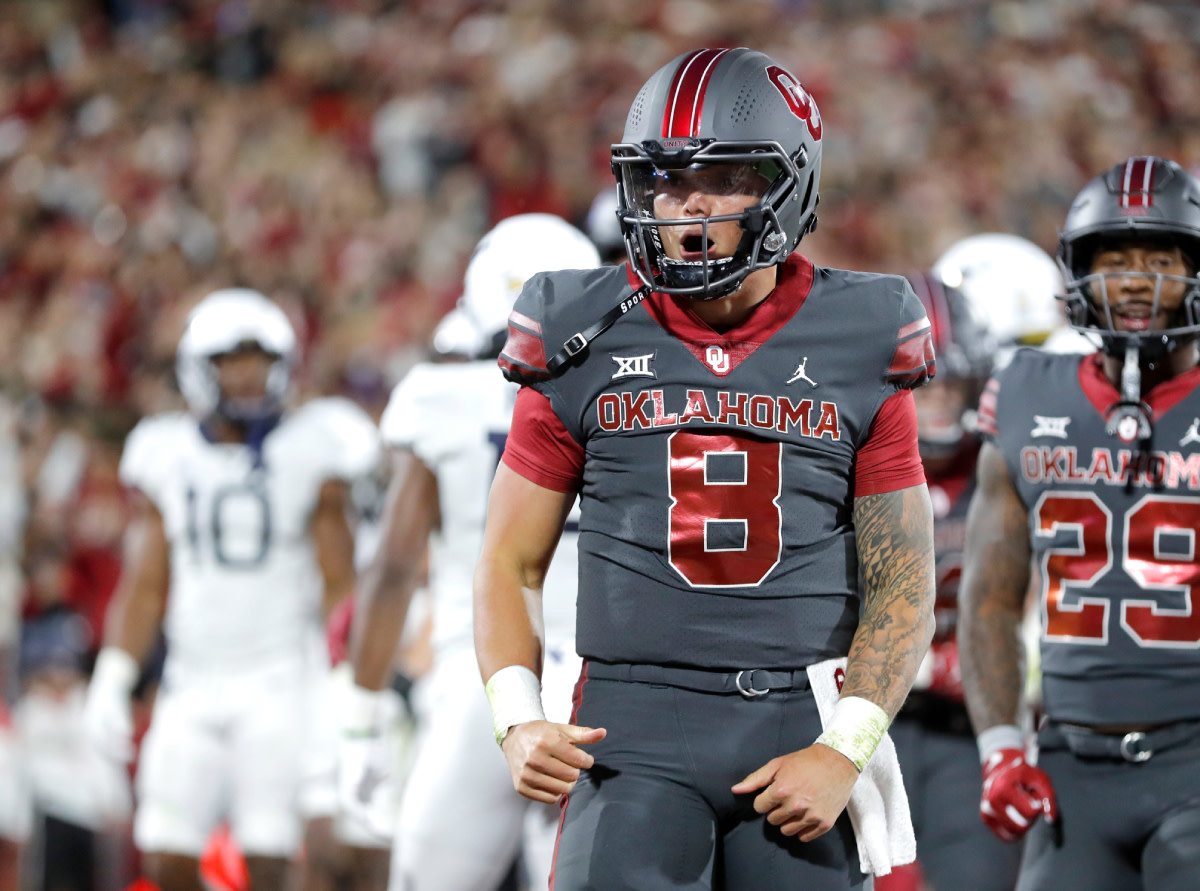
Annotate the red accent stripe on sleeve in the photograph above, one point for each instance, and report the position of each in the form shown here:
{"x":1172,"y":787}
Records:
{"x":985,"y":419}
{"x":523,"y":321}
{"x":912,"y":328}
{"x":681,"y":117}
{"x":523,"y":351}
{"x":914,"y":359}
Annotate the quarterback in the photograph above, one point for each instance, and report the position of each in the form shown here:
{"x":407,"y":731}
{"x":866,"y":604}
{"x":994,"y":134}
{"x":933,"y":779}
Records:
{"x":738,"y":425}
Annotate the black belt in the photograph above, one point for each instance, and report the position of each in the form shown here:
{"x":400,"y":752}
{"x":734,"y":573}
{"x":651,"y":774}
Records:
{"x":750,"y":682}
{"x":1135,"y":746}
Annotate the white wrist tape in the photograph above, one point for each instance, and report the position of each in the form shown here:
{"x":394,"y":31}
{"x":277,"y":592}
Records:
{"x":1002,"y":736}
{"x":116,"y":670}
{"x":360,"y":708}
{"x":515,"y":694}
{"x":855,"y":729}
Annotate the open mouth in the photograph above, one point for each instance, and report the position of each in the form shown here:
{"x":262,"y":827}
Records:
{"x":695,"y":247}
{"x":1134,"y":319}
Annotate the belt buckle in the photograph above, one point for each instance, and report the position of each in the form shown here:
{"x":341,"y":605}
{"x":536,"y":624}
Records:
{"x":1131,"y":747}
{"x":749,"y":690}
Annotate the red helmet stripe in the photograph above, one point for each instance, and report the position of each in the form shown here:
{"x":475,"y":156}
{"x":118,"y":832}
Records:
{"x":1136,"y":183}
{"x":682,"y":115}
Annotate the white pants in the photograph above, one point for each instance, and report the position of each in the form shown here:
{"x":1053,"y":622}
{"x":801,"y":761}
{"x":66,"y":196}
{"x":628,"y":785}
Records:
{"x":225,"y":748}
{"x":16,"y":805}
{"x":461,"y":821}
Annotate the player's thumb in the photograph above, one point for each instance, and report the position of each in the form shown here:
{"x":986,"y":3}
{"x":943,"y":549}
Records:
{"x":756,"y":780}
{"x":1043,"y":790}
{"x":1050,"y":804}
{"x":583,"y":735}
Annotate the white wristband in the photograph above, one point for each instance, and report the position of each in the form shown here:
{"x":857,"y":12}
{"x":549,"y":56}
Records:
{"x":855,"y":729}
{"x":1002,"y":736}
{"x":116,"y":669}
{"x":359,"y":710}
{"x":515,"y":694}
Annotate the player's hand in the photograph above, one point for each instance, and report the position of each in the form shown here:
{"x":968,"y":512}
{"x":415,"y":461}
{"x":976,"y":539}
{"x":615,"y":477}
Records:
{"x":803,"y":793}
{"x":1015,"y":793}
{"x":108,"y":710}
{"x":545,"y":759}
{"x":368,"y":770}
{"x":368,"y":785}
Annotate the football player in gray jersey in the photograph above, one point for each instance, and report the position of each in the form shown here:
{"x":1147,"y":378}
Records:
{"x":753,"y":511}
{"x":1092,"y":476}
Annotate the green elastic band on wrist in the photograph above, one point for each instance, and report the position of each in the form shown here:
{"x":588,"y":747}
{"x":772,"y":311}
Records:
{"x":514,"y":693}
{"x":855,"y":729}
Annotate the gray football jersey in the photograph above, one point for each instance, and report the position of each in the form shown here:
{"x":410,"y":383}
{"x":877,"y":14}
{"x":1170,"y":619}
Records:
{"x":1113,"y":537}
{"x":716,"y":506}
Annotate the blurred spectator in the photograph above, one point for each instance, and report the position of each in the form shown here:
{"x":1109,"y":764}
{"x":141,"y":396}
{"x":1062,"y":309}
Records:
{"x":76,"y":794}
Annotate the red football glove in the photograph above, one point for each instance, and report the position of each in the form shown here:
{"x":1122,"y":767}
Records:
{"x":337,"y":630}
{"x":946,"y":679}
{"x":1015,"y":793}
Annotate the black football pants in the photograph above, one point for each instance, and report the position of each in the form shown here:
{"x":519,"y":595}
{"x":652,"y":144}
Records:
{"x":1122,"y":826}
{"x":656,"y":811}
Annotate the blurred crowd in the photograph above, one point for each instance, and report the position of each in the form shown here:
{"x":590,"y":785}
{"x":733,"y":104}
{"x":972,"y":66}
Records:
{"x":343,"y":157}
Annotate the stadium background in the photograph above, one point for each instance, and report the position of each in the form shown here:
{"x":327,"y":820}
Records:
{"x":344,"y":156}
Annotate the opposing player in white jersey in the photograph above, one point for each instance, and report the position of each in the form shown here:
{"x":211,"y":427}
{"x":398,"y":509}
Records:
{"x":461,"y":821}
{"x":1014,"y":287}
{"x":239,"y":541}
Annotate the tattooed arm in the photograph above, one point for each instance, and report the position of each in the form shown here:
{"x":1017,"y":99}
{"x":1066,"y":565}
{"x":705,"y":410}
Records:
{"x":992,"y":595}
{"x":895,"y":557}
{"x":804,"y":792}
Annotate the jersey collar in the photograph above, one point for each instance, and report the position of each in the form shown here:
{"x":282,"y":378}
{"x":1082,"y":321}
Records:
{"x":677,"y":318}
{"x":1103,"y":395}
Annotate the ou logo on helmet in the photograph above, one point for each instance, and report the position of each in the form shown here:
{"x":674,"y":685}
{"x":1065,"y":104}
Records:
{"x":797,"y":98}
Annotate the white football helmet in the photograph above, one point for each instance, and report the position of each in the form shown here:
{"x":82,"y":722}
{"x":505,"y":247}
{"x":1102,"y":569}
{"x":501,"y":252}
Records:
{"x":510,"y":254}
{"x":604,"y":227}
{"x":1012,"y":284}
{"x":223,"y":322}
{"x":456,"y":335}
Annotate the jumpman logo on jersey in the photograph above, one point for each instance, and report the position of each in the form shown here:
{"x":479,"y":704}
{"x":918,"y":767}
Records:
{"x":800,"y":374}
{"x":1193,"y":433}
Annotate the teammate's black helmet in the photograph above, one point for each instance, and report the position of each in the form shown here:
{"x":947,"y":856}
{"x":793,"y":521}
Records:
{"x":965,"y":352}
{"x":719,"y":106}
{"x":1146,"y":199}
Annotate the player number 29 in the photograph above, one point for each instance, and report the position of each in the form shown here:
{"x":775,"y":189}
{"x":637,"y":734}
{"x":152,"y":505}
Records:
{"x":1157,"y":550}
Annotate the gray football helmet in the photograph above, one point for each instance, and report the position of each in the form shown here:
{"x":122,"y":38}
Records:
{"x":731,"y":107}
{"x":1142,"y":198}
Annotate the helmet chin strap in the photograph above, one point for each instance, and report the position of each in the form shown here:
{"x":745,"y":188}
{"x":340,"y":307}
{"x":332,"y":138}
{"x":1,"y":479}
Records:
{"x":1130,"y":419}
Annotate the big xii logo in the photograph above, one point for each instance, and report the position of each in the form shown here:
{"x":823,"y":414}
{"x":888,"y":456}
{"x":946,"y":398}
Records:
{"x":633,"y":366}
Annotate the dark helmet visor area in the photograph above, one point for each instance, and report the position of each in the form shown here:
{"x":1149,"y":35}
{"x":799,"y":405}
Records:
{"x":654,"y":185}
{"x":1091,"y":306}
